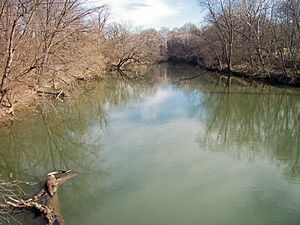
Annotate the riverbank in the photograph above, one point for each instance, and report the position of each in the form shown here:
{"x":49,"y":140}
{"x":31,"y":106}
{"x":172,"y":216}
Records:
{"x":27,"y":97}
{"x":265,"y":77}
{"x":268,"y":78}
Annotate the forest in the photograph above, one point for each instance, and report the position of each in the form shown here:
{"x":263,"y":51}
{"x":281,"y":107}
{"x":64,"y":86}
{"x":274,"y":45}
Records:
{"x":47,"y":46}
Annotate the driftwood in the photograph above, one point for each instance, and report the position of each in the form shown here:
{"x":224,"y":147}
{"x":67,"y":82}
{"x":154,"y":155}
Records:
{"x":56,"y":93}
{"x":44,"y":203}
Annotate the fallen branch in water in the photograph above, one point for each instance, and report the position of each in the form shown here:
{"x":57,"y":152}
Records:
{"x":44,"y":203}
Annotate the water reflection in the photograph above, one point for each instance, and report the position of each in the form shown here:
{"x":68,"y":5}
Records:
{"x":249,"y":121}
{"x":69,"y":138}
{"x":148,"y":149}
{"x":240,"y":119}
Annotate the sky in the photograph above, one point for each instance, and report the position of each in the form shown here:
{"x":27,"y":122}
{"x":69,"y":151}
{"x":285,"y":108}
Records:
{"x":155,"y":13}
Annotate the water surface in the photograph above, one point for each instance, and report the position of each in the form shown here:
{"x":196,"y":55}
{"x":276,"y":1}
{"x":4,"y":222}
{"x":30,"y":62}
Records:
{"x":166,"y":152}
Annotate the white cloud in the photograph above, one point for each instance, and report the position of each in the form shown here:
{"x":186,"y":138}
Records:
{"x":153,"y":13}
{"x":151,"y":105}
{"x":141,"y":12}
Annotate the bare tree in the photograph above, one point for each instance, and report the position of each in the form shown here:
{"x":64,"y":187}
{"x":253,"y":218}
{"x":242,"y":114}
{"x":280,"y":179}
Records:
{"x":125,"y":48}
{"x":221,"y":15}
{"x":252,"y":16}
{"x":259,"y":39}
{"x":35,"y":37}
{"x":15,"y":19}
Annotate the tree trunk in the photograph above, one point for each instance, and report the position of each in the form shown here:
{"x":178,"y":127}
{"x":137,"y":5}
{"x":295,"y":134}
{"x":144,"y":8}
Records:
{"x":9,"y":60}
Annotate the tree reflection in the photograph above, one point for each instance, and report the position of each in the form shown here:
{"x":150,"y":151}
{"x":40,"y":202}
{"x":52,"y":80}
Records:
{"x":243,"y":121}
{"x":241,"y":118}
{"x":68,"y":138}
{"x":71,"y":137}
{"x":250,"y":120}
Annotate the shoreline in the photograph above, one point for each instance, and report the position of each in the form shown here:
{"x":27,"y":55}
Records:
{"x":32,"y":98}
{"x":264,"y":78}
{"x":273,"y":79}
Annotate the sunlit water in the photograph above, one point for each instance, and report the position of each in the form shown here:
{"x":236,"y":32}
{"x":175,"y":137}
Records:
{"x":166,"y":152}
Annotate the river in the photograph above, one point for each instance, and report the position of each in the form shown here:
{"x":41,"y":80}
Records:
{"x":166,"y":152}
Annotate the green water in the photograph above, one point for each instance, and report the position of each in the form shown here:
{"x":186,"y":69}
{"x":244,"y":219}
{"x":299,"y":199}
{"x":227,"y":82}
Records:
{"x":166,"y":152}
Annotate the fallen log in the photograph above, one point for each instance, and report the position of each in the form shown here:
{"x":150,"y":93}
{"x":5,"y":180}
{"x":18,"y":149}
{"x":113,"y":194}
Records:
{"x":45,"y":202}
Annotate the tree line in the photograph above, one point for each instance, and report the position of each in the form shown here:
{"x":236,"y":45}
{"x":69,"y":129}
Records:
{"x":259,"y":37}
{"x":51,"y":43}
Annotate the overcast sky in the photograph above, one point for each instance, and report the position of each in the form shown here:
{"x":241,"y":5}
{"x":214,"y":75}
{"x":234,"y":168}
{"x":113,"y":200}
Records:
{"x":155,"y":13}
